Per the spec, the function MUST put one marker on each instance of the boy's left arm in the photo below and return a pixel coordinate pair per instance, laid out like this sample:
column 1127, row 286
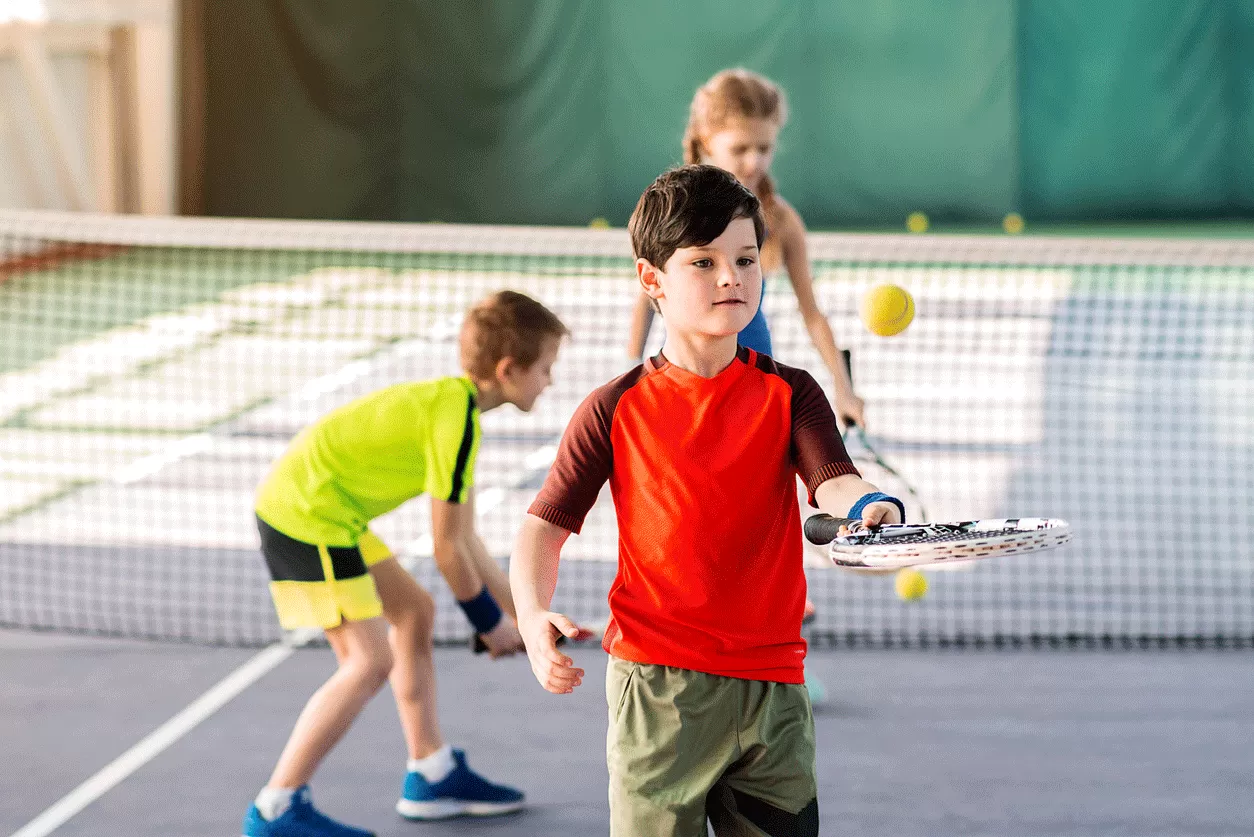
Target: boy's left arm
column 822, row 462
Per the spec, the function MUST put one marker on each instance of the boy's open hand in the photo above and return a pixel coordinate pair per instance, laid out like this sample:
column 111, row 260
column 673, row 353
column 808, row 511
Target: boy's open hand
column 555, row 671
column 504, row 640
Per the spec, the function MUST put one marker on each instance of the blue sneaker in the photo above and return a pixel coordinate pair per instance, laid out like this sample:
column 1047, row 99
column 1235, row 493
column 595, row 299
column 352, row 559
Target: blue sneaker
column 463, row 792
column 300, row 820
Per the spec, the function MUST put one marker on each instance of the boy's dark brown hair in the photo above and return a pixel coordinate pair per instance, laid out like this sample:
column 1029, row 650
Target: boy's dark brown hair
column 506, row 324
column 689, row 207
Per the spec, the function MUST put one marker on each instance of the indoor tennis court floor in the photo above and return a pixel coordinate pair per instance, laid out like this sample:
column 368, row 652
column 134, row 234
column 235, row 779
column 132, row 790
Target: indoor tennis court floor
column 910, row 742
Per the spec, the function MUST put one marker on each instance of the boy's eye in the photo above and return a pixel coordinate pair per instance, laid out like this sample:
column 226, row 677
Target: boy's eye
column 703, row 263
column 745, row 261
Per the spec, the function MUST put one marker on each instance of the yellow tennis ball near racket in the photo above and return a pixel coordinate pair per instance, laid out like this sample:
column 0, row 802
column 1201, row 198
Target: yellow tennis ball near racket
column 911, row 584
column 887, row 310
column 916, row 222
column 1013, row 223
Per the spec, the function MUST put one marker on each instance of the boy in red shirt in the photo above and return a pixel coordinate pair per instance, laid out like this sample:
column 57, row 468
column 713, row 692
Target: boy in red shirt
column 701, row 446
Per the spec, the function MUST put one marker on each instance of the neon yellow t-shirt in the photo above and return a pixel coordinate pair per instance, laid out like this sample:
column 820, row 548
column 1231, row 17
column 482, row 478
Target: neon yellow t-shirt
column 369, row 456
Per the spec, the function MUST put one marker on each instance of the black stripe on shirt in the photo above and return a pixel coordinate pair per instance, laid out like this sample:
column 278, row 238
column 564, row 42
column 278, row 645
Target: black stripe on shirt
column 463, row 453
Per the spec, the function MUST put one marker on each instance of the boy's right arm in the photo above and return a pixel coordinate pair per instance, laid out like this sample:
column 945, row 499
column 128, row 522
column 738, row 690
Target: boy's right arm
column 533, row 578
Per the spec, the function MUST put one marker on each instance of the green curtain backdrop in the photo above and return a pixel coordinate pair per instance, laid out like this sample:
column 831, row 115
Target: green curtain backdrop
column 559, row 111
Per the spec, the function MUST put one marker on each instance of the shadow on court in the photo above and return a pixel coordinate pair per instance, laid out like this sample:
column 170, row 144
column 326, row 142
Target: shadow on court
column 910, row 742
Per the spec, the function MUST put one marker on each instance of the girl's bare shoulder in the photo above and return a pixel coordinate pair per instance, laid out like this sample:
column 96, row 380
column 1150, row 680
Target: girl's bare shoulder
column 785, row 220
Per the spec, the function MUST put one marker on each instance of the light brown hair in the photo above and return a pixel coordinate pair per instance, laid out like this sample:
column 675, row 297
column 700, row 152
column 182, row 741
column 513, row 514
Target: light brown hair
column 734, row 94
column 506, row 324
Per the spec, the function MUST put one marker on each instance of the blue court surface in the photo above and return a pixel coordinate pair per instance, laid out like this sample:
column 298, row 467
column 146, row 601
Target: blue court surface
column 910, row 742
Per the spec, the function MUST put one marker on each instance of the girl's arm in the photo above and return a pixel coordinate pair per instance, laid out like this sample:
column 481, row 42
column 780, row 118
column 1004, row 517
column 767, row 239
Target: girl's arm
column 849, row 407
column 641, row 322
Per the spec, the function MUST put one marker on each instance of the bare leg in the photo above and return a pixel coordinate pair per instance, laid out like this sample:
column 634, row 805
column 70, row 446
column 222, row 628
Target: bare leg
column 365, row 660
column 411, row 612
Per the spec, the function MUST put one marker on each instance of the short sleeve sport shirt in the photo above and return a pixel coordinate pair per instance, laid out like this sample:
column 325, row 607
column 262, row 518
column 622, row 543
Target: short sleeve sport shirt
column 703, row 476
column 371, row 455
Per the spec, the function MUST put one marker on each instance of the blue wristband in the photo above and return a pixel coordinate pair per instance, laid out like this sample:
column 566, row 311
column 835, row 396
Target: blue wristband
column 482, row 611
column 855, row 513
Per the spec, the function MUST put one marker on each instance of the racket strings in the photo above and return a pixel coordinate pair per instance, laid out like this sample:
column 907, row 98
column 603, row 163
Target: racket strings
column 946, row 543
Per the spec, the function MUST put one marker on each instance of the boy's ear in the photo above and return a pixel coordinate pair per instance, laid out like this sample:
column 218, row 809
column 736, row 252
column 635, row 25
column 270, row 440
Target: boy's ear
column 503, row 368
column 649, row 278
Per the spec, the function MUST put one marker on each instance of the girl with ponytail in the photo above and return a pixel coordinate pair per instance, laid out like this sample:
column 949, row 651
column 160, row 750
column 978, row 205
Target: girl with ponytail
column 733, row 123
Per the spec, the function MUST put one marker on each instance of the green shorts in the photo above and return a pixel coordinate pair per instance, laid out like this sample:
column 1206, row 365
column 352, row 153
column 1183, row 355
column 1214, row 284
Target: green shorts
column 684, row 747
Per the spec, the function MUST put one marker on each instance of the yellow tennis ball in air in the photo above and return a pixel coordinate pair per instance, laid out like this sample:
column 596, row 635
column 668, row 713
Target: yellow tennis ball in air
column 916, row 222
column 887, row 310
column 599, row 224
column 1012, row 223
column 911, row 584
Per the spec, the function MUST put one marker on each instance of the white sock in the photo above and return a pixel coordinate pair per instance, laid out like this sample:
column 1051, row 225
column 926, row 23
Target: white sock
column 272, row 802
column 435, row 766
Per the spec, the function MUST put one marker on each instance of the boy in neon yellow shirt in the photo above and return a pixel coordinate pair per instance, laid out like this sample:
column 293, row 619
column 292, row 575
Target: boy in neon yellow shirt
column 331, row 572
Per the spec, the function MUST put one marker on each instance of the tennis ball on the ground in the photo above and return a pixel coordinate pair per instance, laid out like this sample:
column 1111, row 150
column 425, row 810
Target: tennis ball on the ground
column 599, row 224
column 887, row 309
column 1012, row 223
column 911, row 584
column 916, row 222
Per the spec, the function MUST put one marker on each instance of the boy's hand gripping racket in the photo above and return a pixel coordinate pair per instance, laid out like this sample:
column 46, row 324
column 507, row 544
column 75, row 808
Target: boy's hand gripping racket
column 595, row 631
column 896, row 545
column 480, row 647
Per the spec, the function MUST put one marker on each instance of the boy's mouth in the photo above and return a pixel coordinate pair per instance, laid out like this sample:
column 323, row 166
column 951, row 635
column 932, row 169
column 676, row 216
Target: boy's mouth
column 730, row 302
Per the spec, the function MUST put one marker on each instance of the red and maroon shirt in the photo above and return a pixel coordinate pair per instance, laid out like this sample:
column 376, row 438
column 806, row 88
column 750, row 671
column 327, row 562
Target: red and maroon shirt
column 703, row 476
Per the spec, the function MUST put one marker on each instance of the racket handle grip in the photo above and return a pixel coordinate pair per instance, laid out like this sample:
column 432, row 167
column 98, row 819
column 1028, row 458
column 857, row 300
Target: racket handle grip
column 479, row 646
column 822, row 529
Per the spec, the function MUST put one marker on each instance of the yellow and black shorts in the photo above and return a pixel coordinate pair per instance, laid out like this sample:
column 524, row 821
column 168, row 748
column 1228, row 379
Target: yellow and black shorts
column 319, row 586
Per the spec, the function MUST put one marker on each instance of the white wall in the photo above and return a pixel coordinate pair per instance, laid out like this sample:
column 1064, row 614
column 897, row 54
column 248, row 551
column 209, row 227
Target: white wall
column 81, row 42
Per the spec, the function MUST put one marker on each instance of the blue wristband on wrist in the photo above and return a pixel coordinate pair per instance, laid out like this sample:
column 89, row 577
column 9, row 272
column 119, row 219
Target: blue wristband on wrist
column 482, row 611
column 855, row 513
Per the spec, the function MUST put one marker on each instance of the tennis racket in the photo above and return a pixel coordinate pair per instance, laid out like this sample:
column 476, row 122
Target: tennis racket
column 893, row 546
column 480, row 647
column 598, row 631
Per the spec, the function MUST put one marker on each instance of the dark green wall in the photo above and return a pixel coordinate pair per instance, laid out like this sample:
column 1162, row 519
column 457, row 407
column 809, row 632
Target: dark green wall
column 559, row 111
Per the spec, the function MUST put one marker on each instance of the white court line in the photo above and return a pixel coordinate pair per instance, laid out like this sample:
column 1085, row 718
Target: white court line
column 162, row 737
column 147, row 466
column 180, row 449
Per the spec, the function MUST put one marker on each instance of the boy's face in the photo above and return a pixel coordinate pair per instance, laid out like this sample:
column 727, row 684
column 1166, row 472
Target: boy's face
column 713, row 290
column 522, row 385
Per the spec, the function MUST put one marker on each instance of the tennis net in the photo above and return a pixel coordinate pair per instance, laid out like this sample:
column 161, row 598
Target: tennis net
column 151, row 369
